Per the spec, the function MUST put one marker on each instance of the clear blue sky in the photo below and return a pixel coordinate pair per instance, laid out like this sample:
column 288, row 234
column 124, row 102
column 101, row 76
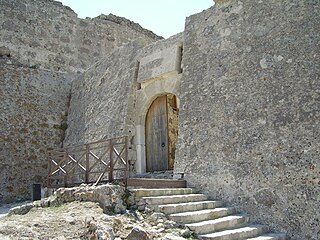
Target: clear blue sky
column 163, row 17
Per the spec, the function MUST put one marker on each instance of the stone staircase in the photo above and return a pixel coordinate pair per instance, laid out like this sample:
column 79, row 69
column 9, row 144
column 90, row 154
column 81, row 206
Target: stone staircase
column 207, row 218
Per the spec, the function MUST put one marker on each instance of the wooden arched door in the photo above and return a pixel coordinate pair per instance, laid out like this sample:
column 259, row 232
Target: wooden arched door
column 157, row 135
column 161, row 133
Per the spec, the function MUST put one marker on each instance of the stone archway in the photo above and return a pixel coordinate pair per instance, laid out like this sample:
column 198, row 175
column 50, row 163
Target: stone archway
column 145, row 94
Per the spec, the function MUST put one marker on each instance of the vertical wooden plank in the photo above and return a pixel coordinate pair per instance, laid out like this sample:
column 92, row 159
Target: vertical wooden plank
column 126, row 160
column 65, row 158
column 49, row 168
column 87, row 149
column 157, row 135
column 111, row 161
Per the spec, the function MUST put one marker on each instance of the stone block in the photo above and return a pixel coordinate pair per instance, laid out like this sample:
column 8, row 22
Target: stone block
column 4, row 51
column 158, row 63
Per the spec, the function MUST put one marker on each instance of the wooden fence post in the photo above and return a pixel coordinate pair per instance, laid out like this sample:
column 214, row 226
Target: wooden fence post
column 87, row 163
column 111, row 161
column 49, row 168
column 63, row 163
column 65, row 158
column 126, row 160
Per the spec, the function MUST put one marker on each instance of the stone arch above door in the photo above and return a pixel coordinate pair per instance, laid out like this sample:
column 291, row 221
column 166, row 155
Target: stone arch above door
column 144, row 98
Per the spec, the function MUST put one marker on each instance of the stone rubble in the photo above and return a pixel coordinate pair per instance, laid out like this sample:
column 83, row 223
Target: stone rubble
column 87, row 212
column 106, row 195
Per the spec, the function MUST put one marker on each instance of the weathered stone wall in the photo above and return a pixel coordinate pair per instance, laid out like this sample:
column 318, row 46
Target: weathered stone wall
column 46, row 34
column 34, row 104
column 103, row 103
column 156, row 74
column 111, row 101
column 99, row 102
column 249, row 94
column 160, row 59
column 249, row 115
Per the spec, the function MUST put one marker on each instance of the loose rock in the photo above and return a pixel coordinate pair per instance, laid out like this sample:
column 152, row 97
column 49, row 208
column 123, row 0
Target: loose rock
column 138, row 234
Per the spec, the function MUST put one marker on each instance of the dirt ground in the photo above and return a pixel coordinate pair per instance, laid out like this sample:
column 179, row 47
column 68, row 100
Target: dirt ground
column 83, row 220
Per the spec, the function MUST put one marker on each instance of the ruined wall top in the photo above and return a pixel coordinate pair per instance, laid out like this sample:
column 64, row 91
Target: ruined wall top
column 49, row 35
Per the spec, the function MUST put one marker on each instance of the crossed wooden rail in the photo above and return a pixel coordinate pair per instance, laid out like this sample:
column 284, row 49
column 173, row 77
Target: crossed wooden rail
column 101, row 161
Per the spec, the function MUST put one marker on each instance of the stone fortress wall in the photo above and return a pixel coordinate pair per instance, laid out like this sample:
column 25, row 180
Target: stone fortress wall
column 248, row 89
column 249, row 121
column 115, row 93
column 33, row 118
column 43, row 48
column 99, row 103
column 249, row 114
column 249, row 117
column 46, row 34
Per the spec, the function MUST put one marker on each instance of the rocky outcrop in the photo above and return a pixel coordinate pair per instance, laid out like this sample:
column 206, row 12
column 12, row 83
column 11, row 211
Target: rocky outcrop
column 108, row 196
column 57, row 217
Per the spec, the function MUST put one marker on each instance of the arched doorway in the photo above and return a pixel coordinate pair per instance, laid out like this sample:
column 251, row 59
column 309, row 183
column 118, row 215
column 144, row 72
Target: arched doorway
column 161, row 132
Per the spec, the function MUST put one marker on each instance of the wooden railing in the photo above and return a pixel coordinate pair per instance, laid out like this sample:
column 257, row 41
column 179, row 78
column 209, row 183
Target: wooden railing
column 101, row 161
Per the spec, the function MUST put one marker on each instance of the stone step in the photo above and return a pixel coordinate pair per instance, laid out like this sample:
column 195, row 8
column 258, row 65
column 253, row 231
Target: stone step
column 187, row 207
column 159, row 200
column 201, row 215
column 218, row 224
column 271, row 236
column 155, row 183
column 144, row 192
column 167, row 174
column 236, row 234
